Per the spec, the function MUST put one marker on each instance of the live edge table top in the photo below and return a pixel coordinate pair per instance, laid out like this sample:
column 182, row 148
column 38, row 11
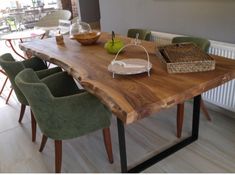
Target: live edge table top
column 131, row 97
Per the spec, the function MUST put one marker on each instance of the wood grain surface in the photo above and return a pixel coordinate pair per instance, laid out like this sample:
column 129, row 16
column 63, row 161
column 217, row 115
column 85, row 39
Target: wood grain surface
column 132, row 97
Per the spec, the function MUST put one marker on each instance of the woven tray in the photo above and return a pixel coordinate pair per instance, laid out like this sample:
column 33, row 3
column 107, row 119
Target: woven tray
column 186, row 57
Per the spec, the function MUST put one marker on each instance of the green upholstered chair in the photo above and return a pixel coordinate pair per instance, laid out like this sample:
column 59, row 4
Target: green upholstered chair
column 143, row 34
column 75, row 19
column 204, row 44
column 52, row 20
column 62, row 111
column 12, row 68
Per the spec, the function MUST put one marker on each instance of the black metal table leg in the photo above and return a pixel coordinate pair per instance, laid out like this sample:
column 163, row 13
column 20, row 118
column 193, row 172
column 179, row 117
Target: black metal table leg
column 122, row 145
column 156, row 158
column 196, row 116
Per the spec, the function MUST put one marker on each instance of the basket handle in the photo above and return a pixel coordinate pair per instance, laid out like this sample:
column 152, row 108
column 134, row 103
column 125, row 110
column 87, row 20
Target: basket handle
column 135, row 45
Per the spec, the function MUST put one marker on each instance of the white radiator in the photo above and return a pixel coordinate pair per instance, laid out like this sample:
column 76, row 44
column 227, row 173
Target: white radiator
column 224, row 95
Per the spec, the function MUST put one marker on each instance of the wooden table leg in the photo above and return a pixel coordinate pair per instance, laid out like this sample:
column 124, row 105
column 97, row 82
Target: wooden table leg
column 203, row 108
column 180, row 119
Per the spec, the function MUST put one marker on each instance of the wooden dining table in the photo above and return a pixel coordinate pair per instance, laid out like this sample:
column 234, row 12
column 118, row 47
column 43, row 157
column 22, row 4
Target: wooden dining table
column 133, row 97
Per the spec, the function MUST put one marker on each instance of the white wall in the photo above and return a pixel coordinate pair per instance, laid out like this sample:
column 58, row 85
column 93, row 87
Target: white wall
column 213, row 19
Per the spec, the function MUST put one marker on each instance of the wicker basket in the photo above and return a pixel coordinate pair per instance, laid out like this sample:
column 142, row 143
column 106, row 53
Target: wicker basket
column 186, row 57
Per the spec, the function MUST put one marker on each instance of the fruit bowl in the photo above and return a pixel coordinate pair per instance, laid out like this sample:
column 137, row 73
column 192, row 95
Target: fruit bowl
column 88, row 38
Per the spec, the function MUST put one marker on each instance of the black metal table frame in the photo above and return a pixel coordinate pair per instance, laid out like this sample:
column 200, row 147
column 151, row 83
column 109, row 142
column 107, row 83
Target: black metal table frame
column 158, row 157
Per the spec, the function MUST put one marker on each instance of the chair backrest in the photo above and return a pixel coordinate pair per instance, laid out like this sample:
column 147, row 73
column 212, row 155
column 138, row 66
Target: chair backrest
column 75, row 19
column 52, row 20
column 202, row 43
column 37, row 94
column 32, row 87
column 12, row 68
column 143, row 34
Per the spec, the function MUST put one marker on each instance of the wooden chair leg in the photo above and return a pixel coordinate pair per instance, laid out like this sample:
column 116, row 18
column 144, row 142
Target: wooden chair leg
column 2, row 72
column 180, row 119
column 9, row 95
column 203, row 107
column 58, row 155
column 33, row 126
column 22, row 111
column 3, row 86
column 43, row 143
column 108, row 143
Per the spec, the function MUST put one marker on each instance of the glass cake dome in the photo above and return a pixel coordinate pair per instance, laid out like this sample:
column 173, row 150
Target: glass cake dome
column 80, row 27
column 82, row 32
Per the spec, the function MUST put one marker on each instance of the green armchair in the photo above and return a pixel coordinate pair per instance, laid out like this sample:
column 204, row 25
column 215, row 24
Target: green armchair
column 143, row 34
column 204, row 44
column 63, row 111
column 12, row 68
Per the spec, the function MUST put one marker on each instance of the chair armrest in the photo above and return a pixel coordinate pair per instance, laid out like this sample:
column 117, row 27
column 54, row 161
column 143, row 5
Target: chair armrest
column 34, row 63
column 83, row 104
column 79, row 114
column 46, row 72
column 61, row 84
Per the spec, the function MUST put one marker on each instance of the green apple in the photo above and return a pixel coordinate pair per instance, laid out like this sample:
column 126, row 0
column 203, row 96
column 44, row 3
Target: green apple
column 113, row 46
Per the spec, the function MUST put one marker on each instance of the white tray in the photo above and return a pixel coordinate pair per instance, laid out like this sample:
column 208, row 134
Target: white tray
column 130, row 66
